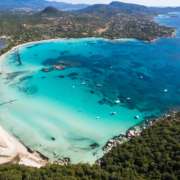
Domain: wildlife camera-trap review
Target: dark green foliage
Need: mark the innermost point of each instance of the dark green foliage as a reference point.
(155, 155)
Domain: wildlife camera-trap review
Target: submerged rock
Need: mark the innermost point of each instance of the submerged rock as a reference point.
(113, 113)
(61, 76)
(106, 101)
(53, 138)
(92, 92)
(72, 74)
(13, 75)
(25, 78)
(46, 70)
(94, 145)
(29, 90)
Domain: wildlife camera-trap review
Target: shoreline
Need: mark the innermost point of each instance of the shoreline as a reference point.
(2, 56)
(25, 156)
(85, 38)
(173, 35)
(13, 151)
(133, 132)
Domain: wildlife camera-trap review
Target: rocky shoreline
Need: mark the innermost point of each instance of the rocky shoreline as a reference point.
(117, 140)
(134, 132)
(26, 156)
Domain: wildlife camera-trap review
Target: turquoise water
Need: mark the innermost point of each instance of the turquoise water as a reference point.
(66, 98)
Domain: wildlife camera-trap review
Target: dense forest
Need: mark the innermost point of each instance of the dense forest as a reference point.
(155, 155)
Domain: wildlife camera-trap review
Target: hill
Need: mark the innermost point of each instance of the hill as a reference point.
(37, 5)
(51, 11)
(116, 7)
(50, 23)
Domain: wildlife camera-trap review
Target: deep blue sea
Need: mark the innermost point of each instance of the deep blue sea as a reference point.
(66, 98)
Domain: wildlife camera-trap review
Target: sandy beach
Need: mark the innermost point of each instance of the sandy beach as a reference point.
(28, 43)
(12, 151)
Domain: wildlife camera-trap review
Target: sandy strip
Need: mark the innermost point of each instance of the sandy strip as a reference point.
(61, 39)
(12, 151)
(28, 43)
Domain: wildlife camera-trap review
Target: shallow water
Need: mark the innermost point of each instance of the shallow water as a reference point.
(67, 98)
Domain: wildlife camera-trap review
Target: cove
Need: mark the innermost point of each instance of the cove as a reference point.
(66, 98)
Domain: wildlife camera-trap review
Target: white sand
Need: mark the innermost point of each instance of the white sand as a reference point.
(12, 151)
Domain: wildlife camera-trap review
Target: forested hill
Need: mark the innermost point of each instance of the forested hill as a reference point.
(112, 21)
(22, 26)
(116, 7)
(155, 155)
(38, 5)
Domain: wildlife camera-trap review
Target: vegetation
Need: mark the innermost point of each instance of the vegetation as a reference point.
(23, 26)
(153, 155)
